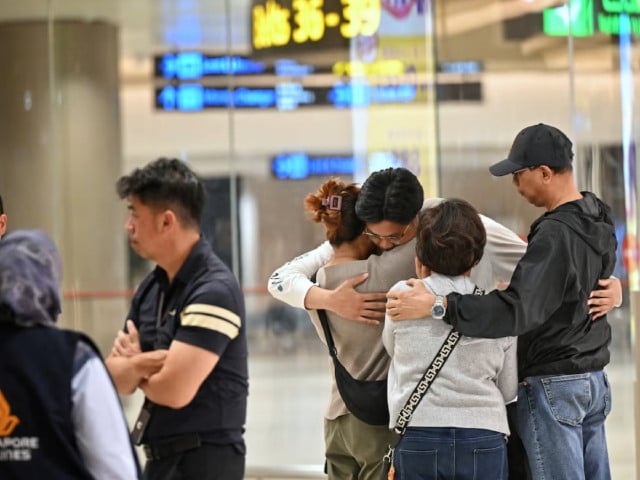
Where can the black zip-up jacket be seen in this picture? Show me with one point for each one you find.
(569, 249)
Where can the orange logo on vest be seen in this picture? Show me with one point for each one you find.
(8, 422)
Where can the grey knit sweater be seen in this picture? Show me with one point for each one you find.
(473, 386)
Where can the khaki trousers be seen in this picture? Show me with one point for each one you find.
(354, 449)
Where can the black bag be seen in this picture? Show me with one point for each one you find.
(366, 399)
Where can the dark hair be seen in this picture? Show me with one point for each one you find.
(560, 170)
(393, 194)
(334, 205)
(450, 237)
(1, 206)
(166, 183)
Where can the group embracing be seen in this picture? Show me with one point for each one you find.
(438, 373)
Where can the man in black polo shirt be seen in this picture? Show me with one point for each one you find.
(184, 343)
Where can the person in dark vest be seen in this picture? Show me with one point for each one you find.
(60, 416)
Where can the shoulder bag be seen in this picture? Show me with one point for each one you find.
(366, 399)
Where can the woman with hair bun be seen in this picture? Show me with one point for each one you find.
(353, 447)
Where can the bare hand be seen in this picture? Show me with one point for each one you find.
(148, 363)
(127, 344)
(604, 300)
(410, 304)
(360, 307)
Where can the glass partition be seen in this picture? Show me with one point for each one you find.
(569, 64)
(266, 100)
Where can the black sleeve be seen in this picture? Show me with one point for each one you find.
(535, 292)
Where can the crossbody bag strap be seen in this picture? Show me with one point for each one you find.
(425, 382)
(324, 321)
(429, 376)
(418, 394)
(478, 291)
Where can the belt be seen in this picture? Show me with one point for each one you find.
(172, 446)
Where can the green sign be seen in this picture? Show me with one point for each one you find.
(621, 6)
(575, 18)
(583, 18)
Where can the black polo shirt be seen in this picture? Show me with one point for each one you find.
(204, 307)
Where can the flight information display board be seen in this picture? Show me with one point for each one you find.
(193, 65)
(284, 96)
(286, 26)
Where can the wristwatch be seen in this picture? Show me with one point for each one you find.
(438, 310)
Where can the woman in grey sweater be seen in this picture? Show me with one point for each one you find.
(459, 429)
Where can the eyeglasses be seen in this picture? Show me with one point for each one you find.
(394, 239)
(518, 172)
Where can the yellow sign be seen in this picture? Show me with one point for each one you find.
(280, 23)
(270, 25)
(407, 130)
(359, 68)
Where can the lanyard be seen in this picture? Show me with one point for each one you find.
(159, 322)
(160, 307)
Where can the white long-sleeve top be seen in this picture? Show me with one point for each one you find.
(290, 282)
(98, 421)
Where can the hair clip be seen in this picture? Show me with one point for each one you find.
(333, 202)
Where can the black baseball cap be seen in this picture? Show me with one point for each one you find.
(534, 146)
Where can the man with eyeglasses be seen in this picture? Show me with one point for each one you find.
(394, 239)
(564, 396)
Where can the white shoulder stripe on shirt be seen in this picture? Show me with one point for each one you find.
(212, 317)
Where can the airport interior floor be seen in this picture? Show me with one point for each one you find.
(289, 385)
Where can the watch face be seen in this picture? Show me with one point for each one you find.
(437, 311)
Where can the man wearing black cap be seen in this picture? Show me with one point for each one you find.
(3, 219)
(564, 396)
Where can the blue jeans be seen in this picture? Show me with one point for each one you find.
(561, 423)
(427, 453)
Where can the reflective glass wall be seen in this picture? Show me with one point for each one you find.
(267, 99)
(570, 64)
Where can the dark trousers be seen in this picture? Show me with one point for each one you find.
(443, 452)
(516, 454)
(206, 462)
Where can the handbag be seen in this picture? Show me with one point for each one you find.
(365, 399)
(414, 399)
